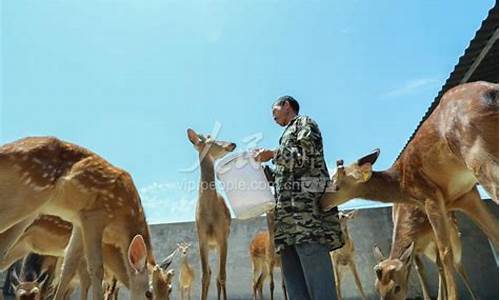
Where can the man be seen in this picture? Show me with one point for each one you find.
(304, 235)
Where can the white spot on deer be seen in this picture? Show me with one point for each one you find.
(36, 160)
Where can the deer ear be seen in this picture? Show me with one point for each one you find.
(14, 279)
(42, 278)
(369, 158)
(168, 260)
(193, 136)
(352, 214)
(137, 254)
(378, 254)
(407, 254)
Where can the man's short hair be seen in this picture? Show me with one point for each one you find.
(293, 103)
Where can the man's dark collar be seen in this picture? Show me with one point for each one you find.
(293, 120)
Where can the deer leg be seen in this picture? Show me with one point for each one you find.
(114, 262)
(438, 217)
(271, 279)
(475, 208)
(92, 244)
(205, 269)
(68, 293)
(19, 250)
(354, 271)
(71, 260)
(10, 236)
(221, 278)
(422, 277)
(255, 278)
(261, 284)
(338, 281)
(84, 277)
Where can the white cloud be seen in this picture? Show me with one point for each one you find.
(411, 86)
(166, 202)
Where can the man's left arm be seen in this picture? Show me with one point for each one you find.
(308, 143)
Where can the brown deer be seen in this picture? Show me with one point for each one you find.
(264, 259)
(186, 272)
(47, 236)
(344, 258)
(453, 150)
(29, 289)
(413, 237)
(212, 215)
(44, 175)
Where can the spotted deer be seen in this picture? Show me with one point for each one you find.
(44, 175)
(344, 258)
(186, 272)
(212, 215)
(264, 259)
(413, 238)
(452, 151)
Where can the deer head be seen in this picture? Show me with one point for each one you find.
(346, 181)
(392, 274)
(183, 248)
(28, 290)
(206, 145)
(345, 217)
(161, 279)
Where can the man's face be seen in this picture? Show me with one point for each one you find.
(281, 114)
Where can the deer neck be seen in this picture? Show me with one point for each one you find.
(410, 225)
(207, 190)
(184, 261)
(384, 186)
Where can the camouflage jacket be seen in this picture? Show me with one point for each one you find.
(301, 177)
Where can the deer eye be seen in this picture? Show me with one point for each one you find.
(149, 295)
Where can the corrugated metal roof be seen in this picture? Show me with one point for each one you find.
(483, 48)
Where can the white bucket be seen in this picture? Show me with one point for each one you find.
(247, 189)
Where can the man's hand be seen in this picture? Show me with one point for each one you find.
(263, 155)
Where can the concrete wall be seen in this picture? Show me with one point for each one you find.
(372, 226)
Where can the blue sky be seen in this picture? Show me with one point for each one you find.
(127, 78)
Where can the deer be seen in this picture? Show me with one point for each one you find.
(452, 151)
(264, 259)
(213, 218)
(186, 272)
(343, 257)
(413, 238)
(45, 175)
(47, 236)
(37, 272)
